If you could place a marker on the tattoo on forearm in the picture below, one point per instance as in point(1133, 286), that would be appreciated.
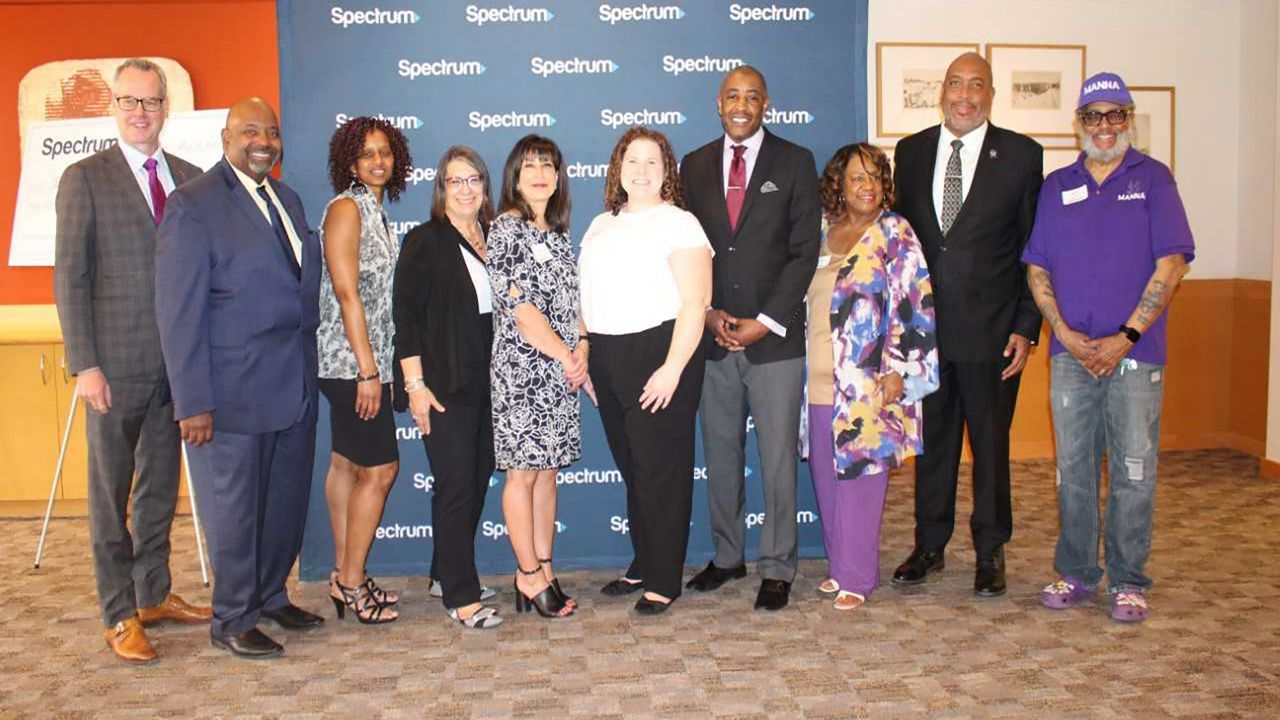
point(1042, 292)
point(1154, 299)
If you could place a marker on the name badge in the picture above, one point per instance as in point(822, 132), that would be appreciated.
point(1075, 195)
point(824, 260)
point(541, 253)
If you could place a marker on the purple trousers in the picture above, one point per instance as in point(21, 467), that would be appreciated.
point(851, 511)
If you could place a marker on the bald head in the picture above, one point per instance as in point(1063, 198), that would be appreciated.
point(741, 102)
point(251, 139)
point(967, 92)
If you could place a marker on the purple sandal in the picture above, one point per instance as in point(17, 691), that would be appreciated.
point(1065, 592)
point(1129, 606)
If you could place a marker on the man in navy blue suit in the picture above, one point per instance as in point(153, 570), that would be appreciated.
point(237, 298)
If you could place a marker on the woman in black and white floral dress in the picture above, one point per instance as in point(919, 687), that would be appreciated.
point(539, 360)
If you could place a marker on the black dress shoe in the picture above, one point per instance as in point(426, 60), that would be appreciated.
point(252, 644)
point(292, 617)
point(620, 587)
point(988, 581)
point(773, 595)
point(645, 606)
point(713, 577)
point(918, 566)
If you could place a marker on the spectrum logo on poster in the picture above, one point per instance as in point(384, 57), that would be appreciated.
point(372, 16)
point(633, 13)
point(487, 121)
point(399, 122)
point(480, 16)
point(775, 116)
point(673, 65)
point(572, 66)
point(439, 68)
point(743, 14)
point(615, 119)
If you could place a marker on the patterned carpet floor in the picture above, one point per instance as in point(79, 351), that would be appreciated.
point(1211, 648)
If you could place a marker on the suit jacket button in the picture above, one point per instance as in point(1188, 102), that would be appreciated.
point(732, 248)
point(736, 286)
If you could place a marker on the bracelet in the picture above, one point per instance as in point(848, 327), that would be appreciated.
point(414, 384)
point(366, 378)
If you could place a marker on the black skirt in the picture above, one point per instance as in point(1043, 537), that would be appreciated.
point(367, 443)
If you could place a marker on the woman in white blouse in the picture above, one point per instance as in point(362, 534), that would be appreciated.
point(645, 275)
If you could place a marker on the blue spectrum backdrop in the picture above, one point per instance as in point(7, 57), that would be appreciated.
point(486, 73)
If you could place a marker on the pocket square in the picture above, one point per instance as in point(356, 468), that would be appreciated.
point(768, 187)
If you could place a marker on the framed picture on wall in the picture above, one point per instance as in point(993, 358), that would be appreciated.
point(888, 150)
point(1153, 121)
point(1036, 87)
point(909, 84)
point(1056, 158)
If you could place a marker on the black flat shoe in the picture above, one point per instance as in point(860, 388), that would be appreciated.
point(292, 617)
point(713, 577)
point(645, 606)
point(918, 566)
point(622, 586)
point(988, 580)
point(252, 644)
point(774, 595)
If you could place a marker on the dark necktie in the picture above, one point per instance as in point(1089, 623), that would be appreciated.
point(157, 190)
point(737, 185)
point(282, 235)
point(952, 188)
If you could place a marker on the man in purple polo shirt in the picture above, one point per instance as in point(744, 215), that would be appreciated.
point(1110, 244)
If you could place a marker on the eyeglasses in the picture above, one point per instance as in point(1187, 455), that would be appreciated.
point(1093, 118)
point(129, 102)
point(475, 182)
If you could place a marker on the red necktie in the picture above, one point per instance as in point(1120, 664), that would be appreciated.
point(737, 185)
point(157, 190)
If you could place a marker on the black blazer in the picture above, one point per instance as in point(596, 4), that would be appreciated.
point(764, 266)
point(979, 282)
point(435, 310)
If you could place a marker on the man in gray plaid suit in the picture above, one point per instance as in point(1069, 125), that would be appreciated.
point(108, 206)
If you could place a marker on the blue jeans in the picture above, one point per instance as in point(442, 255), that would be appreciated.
point(1118, 415)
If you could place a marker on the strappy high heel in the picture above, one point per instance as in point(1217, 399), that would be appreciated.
point(547, 602)
point(363, 605)
point(382, 595)
point(555, 584)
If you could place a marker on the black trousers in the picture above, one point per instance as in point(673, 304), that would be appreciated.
point(460, 450)
point(971, 395)
point(653, 451)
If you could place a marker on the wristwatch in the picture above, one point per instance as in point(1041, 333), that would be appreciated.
point(1133, 335)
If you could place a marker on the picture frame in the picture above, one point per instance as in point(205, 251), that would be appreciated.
point(1155, 121)
point(909, 84)
point(1056, 158)
point(1036, 87)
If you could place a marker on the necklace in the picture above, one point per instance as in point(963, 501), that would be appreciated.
point(474, 238)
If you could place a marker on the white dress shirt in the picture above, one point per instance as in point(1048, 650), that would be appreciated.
point(480, 279)
point(968, 162)
point(251, 186)
point(749, 157)
point(136, 158)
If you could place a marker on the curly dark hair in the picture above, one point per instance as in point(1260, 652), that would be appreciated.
point(557, 213)
point(347, 143)
point(472, 158)
point(831, 183)
point(672, 192)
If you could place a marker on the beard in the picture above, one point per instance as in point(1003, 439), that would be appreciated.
point(1124, 141)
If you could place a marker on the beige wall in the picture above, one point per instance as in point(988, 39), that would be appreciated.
point(1273, 396)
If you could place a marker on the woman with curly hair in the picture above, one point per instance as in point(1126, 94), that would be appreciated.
point(646, 284)
point(368, 163)
point(444, 340)
point(871, 357)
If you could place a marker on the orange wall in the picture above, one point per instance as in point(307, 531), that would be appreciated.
point(229, 47)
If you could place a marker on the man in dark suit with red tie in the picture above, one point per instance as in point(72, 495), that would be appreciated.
point(756, 196)
point(969, 190)
point(109, 205)
point(237, 301)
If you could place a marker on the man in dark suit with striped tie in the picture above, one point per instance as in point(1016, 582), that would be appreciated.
point(108, 207)
point(969, 190)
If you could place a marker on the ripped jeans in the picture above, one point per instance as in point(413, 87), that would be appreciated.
point(1118, 415)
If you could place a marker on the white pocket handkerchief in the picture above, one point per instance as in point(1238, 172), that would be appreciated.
point(768, 187)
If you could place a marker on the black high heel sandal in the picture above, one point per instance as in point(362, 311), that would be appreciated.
point(362, 603)
point(555, 584)
point(382, 595)
point(547, 603)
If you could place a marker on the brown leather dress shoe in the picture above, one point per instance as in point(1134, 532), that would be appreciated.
point(129, 642)
point(176, 609)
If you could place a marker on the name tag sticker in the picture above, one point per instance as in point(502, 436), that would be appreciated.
point(1075, 195)
point(541, 253)
point(824, 260)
